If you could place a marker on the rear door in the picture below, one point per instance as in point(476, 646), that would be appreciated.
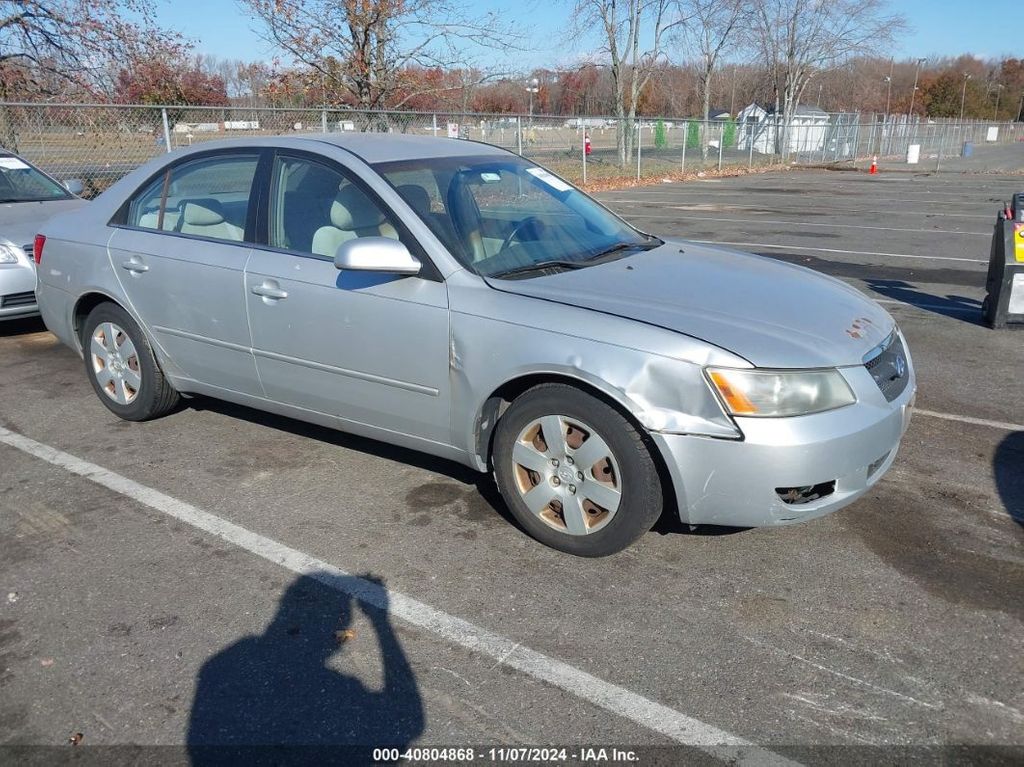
point(180, 254)
point(371, 348)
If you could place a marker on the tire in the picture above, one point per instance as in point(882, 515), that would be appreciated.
point(579, 518)
point(128, 379)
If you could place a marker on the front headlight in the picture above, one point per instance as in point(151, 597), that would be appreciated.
point(767, 393)
point(8, 255)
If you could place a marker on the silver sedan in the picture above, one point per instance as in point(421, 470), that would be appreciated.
point(454, 298)
point(28, 197)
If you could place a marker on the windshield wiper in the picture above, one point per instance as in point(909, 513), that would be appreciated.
point(620, 246)
point(539, 266)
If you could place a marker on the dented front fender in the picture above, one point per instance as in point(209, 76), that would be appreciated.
point(654, 374)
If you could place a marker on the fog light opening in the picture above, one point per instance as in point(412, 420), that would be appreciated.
point(874, 466)
point(807, 493)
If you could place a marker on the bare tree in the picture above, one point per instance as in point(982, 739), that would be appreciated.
point(711, 26)
point(363, 46)
point(799, 38)
point(632, 34)
point(72, 40)
point(70, 47)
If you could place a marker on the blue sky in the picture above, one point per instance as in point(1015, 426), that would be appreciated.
point(988, 28)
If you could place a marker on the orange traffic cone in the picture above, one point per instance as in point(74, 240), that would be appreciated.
point(874, 165)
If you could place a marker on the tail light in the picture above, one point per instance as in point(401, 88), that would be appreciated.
point(37, 247)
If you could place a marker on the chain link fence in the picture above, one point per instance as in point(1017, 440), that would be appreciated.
point(100, 143)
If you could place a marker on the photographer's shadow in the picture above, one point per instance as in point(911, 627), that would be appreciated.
point(279, 688)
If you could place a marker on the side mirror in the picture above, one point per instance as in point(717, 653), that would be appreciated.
point(376, 254)
point(74, 185)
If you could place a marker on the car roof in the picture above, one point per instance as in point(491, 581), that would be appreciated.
point(385, 147)
point(369, 147)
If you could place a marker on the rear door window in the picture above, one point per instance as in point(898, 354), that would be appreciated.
point(208, 197)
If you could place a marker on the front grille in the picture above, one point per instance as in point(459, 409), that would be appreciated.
point(17, 299)
point(890, 369)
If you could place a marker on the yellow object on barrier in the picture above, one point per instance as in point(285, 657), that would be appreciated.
point(1018, 242)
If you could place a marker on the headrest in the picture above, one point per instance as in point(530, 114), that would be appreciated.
point(204, 212)
point(352, 210)
point(416, 196)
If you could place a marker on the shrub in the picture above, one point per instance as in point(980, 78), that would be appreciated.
point(729, 133)
point(692, 134)
point(660, 135)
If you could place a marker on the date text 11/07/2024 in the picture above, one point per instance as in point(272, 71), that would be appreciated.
point(502, 754)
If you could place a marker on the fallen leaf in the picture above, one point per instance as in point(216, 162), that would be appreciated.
point(75, 739)
point(12, 597)
point(346, 635)
point(46, 662)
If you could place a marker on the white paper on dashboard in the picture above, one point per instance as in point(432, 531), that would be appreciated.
point(551, 180)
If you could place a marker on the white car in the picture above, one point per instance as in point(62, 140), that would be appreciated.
point(28, 198)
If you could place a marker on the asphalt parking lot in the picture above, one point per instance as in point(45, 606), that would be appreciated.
point(131, 599)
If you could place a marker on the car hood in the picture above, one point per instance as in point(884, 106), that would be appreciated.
point(21, 221)
point(771, 313)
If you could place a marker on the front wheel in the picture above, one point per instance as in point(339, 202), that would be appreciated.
point(121, 366)
point(574, 472)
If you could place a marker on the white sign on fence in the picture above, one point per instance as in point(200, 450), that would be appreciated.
point(993, 133)
point(913, 154)
point(196, 128)
point(453, 130)
point(241, 125)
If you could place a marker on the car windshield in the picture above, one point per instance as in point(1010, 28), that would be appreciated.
point(20, 182)
point(506, 217)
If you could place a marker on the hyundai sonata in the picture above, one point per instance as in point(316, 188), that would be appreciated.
point(457, 299)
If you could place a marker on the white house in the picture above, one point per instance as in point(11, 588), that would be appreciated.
point(759, 125)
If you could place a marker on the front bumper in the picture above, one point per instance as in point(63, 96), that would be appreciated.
point(17, 291)
point(734, 482)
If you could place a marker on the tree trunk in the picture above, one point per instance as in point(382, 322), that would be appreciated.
point(706, 87)
point(8, 135)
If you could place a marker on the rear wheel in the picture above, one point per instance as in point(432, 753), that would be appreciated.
point(122, 367)
point(574, 472)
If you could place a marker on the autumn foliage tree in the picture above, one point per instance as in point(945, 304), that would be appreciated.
point(49, 45)
point(168, 81)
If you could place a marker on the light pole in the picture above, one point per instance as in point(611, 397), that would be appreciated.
point(885, 117)
point(999, 92)
point(963, 97)
point(533, 87)
point(888, 91)
point(732, 99)
point(917, 71)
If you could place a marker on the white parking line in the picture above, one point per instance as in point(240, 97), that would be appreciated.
point(611, 697)
point(836, 250)
point(758, 221)
point(831, 209)
point(820, 195)
point(1003, 425)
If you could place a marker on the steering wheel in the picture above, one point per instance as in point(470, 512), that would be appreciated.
point(528, 221)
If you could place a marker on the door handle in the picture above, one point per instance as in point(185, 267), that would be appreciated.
point(135, 265)
point(268, 290)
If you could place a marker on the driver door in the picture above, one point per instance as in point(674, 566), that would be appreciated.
point(367, 347)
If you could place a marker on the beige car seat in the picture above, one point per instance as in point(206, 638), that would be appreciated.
point(205, 218)
point(353, 215)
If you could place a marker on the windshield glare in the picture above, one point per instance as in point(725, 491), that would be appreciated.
point(497, 215)
point(20, 182)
